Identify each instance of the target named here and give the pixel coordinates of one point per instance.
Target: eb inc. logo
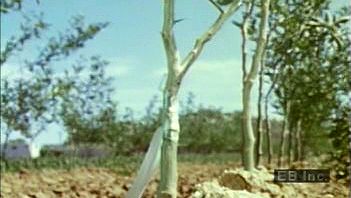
(302, 175)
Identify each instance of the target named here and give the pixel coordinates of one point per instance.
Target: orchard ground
(197, 174)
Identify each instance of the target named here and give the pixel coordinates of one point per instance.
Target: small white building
(21, 150)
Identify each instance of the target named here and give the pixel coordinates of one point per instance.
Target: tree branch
(261, 43)
(201, 41)
(167, 33)
(243, 30)
(217, 6)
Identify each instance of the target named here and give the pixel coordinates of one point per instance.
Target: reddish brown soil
(99, 182)
(95, 182)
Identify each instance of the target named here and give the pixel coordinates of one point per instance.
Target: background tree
(339, 158)
(28, 103)
(249, 76)
(307, 52)
(87, 108)
(208, 129)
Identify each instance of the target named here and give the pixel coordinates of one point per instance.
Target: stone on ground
(241, 183)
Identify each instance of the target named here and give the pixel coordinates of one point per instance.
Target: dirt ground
(95, 182)
(99, 182)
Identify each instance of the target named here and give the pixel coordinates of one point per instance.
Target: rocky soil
(239, 183)
(195, 180)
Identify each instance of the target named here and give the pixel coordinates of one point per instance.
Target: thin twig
(217, 6)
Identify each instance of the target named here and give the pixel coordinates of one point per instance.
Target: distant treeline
(203, 130)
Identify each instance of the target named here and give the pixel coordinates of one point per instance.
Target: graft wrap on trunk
(150, 163)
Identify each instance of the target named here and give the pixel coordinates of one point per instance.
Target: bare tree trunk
(259, 133)
(267, 119)
(268, 132)
(282, 143)
(291, 130)
(168, 184)
(249, 139)
(5, 145)
(303, 147)
(268, 122)
(243, 28)
(297, 156)
(168, 180)
(284, 134)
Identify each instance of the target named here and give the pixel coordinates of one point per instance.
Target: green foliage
(16, 141)
(125, 134)
(29, 29)
(307, 59)
(8, 5)
(204, 129)
(224, 2)
(24, 104)
(86, 108)
(64, 45)
(207, 130)
(339, 158)
(29, 103)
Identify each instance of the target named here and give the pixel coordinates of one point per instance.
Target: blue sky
(133, 45)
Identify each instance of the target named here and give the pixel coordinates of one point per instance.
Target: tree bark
(168, 180)
(291, 130)
(259, 133)
(5, 145)
(249, 139)
(284, 133)
(243, 30)
(268, 122)
(268, 132)
(297, 156)
(168, 184)
(303, 147)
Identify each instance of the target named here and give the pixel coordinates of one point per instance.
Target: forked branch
(218, 7)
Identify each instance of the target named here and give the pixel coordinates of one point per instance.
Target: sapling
(165, 141)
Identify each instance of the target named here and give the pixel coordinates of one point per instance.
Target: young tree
(28, 104)
(166, 137)
(87, 110)
(267, 118)
(284, 133)
(250, 76)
